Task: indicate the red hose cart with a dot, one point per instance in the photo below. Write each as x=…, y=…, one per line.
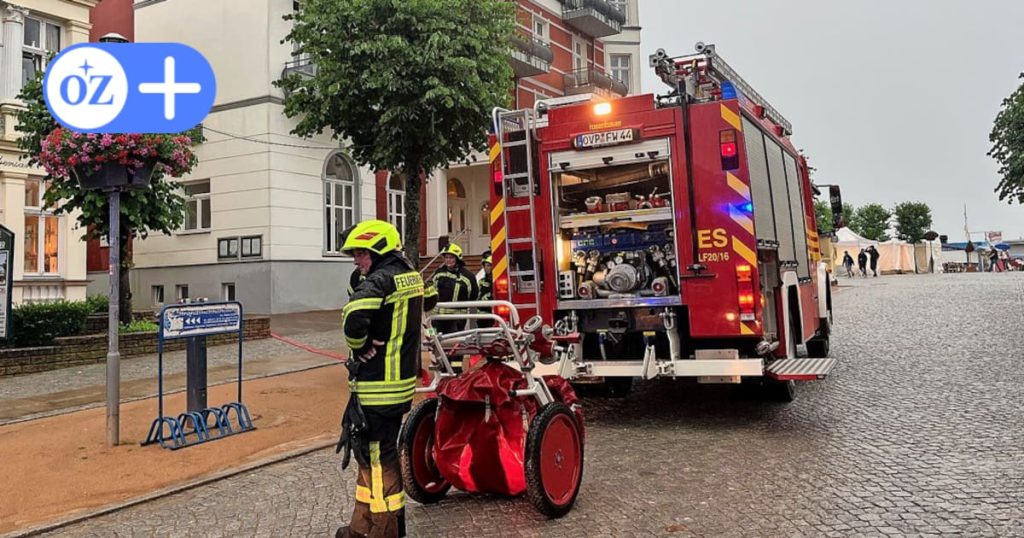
x=495, y=427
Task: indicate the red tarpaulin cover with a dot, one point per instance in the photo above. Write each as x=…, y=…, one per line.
x=480, y=435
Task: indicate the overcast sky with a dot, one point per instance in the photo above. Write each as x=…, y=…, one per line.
x=892, y=99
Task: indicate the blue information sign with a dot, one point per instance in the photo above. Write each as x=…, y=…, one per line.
x=200, y=319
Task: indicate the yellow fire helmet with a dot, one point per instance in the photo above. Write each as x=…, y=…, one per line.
x=453, y=249
x=376, y=236
x=488, y=261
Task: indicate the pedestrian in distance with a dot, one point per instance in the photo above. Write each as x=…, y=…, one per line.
x=993, y=258
x=382, y=327
x=848, y=263
x=873, y=254
x=862, y=263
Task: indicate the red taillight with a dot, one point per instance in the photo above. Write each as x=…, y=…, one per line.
x=501, y=288
x=745, y=292
x=728, y=149
x=498, y=176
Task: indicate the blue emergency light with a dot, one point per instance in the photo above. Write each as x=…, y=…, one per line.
x=728, y=90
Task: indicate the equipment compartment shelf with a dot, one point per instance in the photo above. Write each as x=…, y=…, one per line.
x=625, y=302
x=585, y=220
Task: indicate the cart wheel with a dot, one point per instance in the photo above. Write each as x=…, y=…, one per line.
x=420, y=477
x=554, y=460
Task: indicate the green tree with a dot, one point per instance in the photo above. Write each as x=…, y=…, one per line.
x=410, y=84
x=1007, y=139
x=848, y=213
x=871, y=222
x=160, y=208
x=823, y=216
x=913, y=219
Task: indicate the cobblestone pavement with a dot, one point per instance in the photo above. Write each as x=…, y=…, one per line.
x=144, y=367
x=920, y=431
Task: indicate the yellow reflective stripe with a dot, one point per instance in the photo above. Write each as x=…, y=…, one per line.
x=405, y=295
x=392, y=503
x=395, y=502
x=731, y=118
x=377, y=503
x=380, y=400
x=398, y=322
x=495, y=152
x=369, y=303
x=499, y=210
x=355, y=343
x=455, y=294
x=382, y=386
x=430, y=291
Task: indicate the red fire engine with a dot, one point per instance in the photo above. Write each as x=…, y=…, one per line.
x=676, y=234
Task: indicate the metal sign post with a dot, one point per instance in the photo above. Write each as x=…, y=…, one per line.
x=6, y=275
x=199, y=423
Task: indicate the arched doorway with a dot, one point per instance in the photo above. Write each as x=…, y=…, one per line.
x=458, y=222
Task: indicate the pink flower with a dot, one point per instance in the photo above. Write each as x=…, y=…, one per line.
x=106, y=141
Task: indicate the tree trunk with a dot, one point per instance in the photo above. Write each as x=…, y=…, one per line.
x=411, y=234
x=125, y=291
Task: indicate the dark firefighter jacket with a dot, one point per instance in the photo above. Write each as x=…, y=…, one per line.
x=455, y=285
x=487, y=288
x=386, y=306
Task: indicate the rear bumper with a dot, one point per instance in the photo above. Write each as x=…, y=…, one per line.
x=710, y=370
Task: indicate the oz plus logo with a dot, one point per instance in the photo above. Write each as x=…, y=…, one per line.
x=129, y=88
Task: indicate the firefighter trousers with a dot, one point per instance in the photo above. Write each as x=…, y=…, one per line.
x=379, y=510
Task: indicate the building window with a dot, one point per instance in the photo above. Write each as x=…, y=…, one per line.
x=541, y=28
x=41, y=39
x=227, y=248
x=197, y=206
x=579, y=53
x=620, y=68
x=181, y=291
x=396, y=202
x=228, y=289
x=340, y=195
x=158, y=295
x=42, y=233
x=252, y=247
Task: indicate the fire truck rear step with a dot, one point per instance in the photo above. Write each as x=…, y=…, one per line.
x=683, y=368
x=800, y=369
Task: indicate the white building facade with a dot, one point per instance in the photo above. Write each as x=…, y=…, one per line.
x=50, y=256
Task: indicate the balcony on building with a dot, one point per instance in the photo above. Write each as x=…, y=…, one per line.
x=590, y=80
x=530, y=56
x=302, y=65
x=597, y=18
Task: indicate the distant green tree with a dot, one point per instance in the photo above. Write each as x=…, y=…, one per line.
x=848, y=212
x=872, y=222
x=823, y=216
x=913, y=219
x=1007, y=139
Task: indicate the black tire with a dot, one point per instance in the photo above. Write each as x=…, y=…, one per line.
x=780, y=391
x=554, y=469
x=420, y=478
x=817, y=347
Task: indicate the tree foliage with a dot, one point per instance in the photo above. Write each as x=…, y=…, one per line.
x=411, y=84
x=913, y=219
x=823, y=216
x=1007, y=139
x=871, y=222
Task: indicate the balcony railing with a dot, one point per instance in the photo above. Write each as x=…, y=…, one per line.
x=530, y=56
x=302, y=65
x=590, y=80
x=596, y=18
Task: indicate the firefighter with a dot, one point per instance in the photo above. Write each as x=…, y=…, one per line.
x=486, y=288
x=382, y=329
x=454, y=283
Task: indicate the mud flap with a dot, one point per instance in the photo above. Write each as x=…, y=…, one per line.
x=799, y=369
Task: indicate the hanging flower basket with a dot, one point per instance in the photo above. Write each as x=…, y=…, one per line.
x=122, y=161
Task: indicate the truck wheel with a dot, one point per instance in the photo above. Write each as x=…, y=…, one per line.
x=554, y=460
x=780, y=391
x=817, y=347
x=420, y=477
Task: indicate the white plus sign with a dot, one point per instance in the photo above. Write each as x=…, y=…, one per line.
x=169, y=87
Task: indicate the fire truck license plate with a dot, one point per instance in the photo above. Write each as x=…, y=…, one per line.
x=605, y=138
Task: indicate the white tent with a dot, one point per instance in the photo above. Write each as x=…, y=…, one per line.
x=895, y=256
